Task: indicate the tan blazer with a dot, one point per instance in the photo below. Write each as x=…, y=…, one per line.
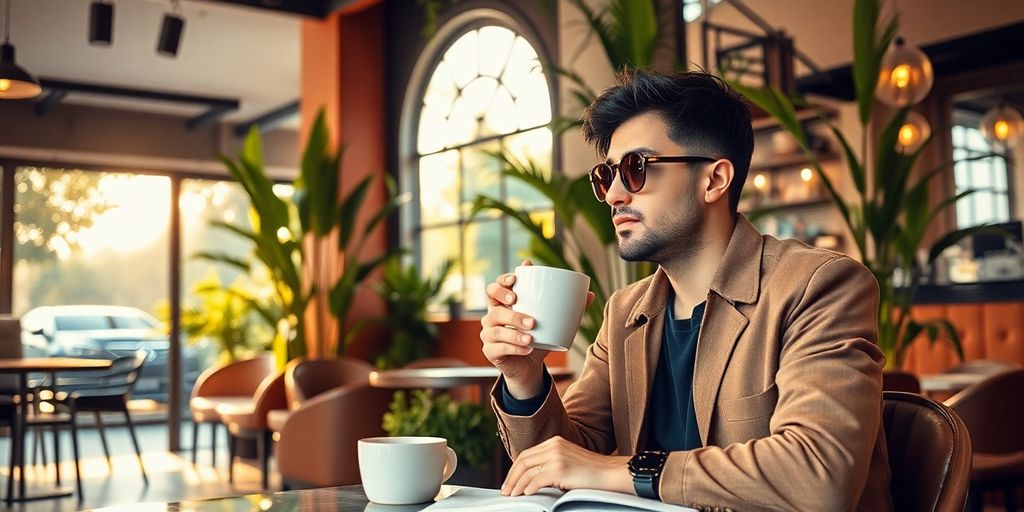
x=787, y=387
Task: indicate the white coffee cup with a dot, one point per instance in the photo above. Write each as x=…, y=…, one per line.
x=556, y=299
x=404, y=470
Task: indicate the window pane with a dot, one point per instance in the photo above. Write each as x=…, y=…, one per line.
x=441, y=90
x=482, y=174
x=495, y=45
x=462, y=58
x=521, y=64
x=533, y=106
x=519, y=238
x=462, y=124
x=532, y=146
x=501, y=116
x=439, y=187
x=478, y=95
x=482, y=251
x=999, y=169
x=1002, y=208
x=96, y=238
x=437, y=245
x=432, y=129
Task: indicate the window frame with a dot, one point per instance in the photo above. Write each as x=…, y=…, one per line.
x=970, y=120
x=409, y=222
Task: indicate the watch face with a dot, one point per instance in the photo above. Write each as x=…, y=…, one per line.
x=647, y=463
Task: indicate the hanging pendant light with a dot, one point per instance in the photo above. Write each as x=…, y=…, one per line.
x=913, y=133
x=906, y=75
x=1002, y=126
x=15, y=82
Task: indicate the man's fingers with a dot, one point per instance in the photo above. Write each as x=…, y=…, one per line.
x=495, y=352
x=502, y=334
x=498, y=295
x=504, y=316
x=590, y=298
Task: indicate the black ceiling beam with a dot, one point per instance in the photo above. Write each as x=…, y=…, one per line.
x=210, y=116
x=52, y=99
x=217, y=107
x=958, y=55
x=268, y=121
x=309, y=8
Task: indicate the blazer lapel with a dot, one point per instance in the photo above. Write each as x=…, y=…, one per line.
x=721, y=328
x=643, y=346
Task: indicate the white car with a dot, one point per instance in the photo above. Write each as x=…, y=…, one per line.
x=107, y=332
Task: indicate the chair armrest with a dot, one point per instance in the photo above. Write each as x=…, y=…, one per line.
x=318, y=444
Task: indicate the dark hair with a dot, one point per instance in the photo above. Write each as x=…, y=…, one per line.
x=702, y=113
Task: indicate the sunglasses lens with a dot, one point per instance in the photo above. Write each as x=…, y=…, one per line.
x=601, y=177
x=632, y=169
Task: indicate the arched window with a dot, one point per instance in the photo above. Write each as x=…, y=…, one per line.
x=485, y=92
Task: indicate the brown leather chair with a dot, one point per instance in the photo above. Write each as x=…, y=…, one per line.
x=900, y=381
x=335, y=407
x=994, y=414
x=249, y=421
x=929, y=453
x=232, y=384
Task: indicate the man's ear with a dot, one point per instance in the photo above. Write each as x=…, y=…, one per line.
x=719, y=180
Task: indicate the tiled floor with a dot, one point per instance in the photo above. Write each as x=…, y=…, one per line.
x=171, y=475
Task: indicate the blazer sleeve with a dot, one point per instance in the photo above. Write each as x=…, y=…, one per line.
x=584, y=417
x=827, y=418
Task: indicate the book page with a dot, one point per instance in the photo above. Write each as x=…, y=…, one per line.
x=593, y=500
x=491, y=500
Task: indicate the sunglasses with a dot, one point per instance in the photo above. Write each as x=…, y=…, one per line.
x=632, y=171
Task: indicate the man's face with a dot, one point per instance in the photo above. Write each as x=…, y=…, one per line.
x=661, y=221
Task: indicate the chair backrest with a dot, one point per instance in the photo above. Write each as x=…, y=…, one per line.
x=929, y=453
x=240, y=378
x=900, y=381
x=305, y=379
x=992, y=411
x=10, y=348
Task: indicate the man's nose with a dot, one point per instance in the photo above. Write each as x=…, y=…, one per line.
x=617, y=193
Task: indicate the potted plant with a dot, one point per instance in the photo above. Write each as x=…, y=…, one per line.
x=289, y=232
x=408, y=294
x=469, y=428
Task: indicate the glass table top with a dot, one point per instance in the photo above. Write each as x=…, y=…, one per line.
x=335, y=499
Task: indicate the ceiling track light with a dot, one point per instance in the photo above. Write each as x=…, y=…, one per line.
x=15, y=82
x=171, y=29
x=101, y=23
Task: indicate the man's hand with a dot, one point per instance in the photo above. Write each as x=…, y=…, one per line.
x=564, y=465
x=506, y=339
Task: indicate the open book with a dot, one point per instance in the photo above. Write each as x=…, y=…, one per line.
x=548, y=500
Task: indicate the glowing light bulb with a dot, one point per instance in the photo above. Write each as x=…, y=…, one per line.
x=5, y=85
x=1003, y=126
x=760, y=181
x=914, y=132
x=283, y=235
x=900, y=76
x=1001, y=129
x=806, y=174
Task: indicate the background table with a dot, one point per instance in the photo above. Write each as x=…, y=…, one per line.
x=950, y=382
x=22, y=367
x=445, y=378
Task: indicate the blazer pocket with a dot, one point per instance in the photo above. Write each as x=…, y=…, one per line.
x=749, y=407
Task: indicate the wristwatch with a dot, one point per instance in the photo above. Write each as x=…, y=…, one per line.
x=645, y=468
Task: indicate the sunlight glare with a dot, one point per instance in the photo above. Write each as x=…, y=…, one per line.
x=140, y=214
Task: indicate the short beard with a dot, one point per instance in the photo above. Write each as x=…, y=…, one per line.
x=679, y=239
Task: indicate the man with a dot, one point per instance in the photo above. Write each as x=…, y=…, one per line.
x=742, y=374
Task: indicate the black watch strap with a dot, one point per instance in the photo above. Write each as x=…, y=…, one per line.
x=646, y=486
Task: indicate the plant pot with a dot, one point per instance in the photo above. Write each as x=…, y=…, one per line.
x=454, y=310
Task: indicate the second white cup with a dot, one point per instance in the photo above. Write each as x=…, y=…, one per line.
x=556, y=299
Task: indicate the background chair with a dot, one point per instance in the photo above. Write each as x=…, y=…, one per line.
x=929, y=453
x=994, y=415
x=983, y=367
x=335, y=407
x=249, y=421
x=109, y=391
x=900, y=381
x=233, y=384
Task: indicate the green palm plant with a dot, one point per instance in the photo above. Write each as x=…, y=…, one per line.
x=408, y=294
x=280, y=226
x=629, y=33
x=892, y=210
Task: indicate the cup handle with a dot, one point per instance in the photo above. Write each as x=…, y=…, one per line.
x=450, y=465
